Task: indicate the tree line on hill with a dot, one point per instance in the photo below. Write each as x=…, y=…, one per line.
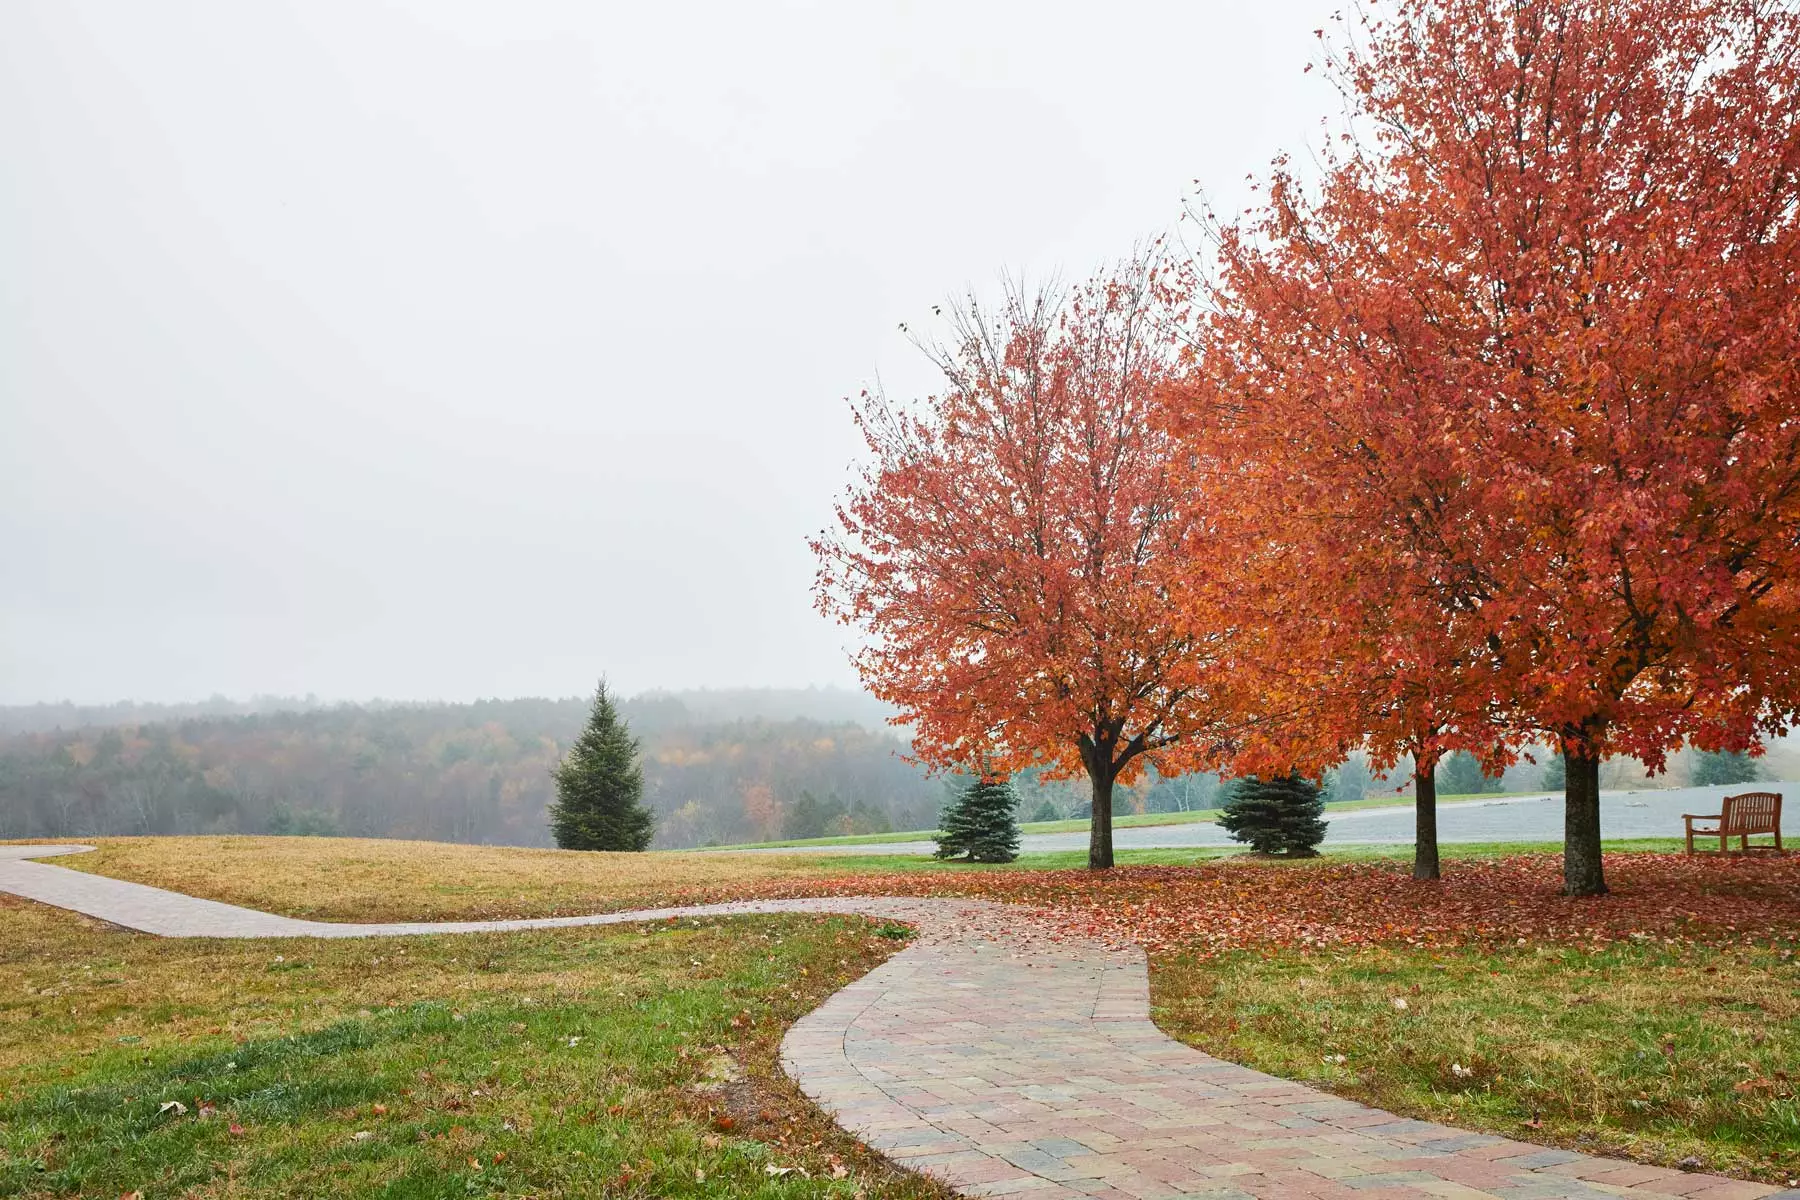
x=479, y=772
x=718, y=767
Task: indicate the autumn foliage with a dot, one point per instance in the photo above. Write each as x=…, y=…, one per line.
x=1493, y=415
x=1514, y=385
x=1022, y=552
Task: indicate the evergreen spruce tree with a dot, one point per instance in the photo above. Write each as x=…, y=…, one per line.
x=980, y=824
x=1276, y=816
x=600, y=788
x=1727, y=766
x=811, y=817
x=1459, y=774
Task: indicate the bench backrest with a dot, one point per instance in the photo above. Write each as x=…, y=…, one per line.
x=1752, y=812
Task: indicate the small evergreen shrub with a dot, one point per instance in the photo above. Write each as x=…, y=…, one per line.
x=979, y=825
x=1276, y=816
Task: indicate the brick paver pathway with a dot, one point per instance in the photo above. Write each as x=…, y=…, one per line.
x=1004, y=1061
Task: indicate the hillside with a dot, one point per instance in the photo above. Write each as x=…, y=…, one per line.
x=719, y=766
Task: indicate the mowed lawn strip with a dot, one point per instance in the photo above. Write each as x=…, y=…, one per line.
x=631, y=1061
x=1654, y=1049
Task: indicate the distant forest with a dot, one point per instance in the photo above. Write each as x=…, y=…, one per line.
x=719, y=767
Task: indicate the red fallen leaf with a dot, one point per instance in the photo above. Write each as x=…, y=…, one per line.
x=235, y=1129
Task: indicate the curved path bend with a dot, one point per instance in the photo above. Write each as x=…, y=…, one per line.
x=1005, y=1062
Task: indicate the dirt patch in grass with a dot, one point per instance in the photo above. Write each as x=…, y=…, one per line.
x=551, y=1063
x=1653, y=1049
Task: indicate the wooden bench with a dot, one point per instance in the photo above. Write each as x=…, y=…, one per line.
x=1752, y=813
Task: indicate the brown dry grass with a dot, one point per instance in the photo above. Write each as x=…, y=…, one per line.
x=370, y=879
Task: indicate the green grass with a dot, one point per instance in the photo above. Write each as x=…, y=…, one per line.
x=1130, y=821
x=454, y=1054
x=630, y=1062
x=1659, y=1051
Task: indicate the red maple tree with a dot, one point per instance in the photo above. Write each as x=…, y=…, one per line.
x=1528, y=350
x=1022, y=555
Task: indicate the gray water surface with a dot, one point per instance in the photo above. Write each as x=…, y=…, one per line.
x=1536, y=818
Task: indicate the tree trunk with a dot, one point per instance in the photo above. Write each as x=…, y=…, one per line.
x=1425, y=837
x=1100, y=833
x=1583, y=874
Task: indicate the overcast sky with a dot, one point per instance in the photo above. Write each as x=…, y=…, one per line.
x=436, y=350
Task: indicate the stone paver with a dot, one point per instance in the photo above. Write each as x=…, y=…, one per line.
x=1005, y=1061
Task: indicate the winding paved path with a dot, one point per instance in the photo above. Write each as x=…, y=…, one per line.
x=1006, y=1062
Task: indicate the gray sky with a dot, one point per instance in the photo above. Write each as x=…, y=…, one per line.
x=438, y=349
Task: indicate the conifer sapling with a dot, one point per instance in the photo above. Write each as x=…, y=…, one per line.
x=600, y=788
x=980, y=824
x=1282, y=815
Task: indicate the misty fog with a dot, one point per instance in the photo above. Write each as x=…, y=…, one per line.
x=438, y=350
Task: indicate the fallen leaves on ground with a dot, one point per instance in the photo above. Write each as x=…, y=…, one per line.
x=1212, y=907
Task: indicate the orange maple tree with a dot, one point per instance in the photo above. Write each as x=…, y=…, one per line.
x=1344, y=643
x=1528, y=354
x=1022, y=556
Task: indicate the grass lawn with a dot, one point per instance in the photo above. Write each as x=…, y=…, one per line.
x=370, y=879
x=1129, y=821
x=374, y=879
x=624, y=1062
x=1656, y=1023
x=1659, y=1051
